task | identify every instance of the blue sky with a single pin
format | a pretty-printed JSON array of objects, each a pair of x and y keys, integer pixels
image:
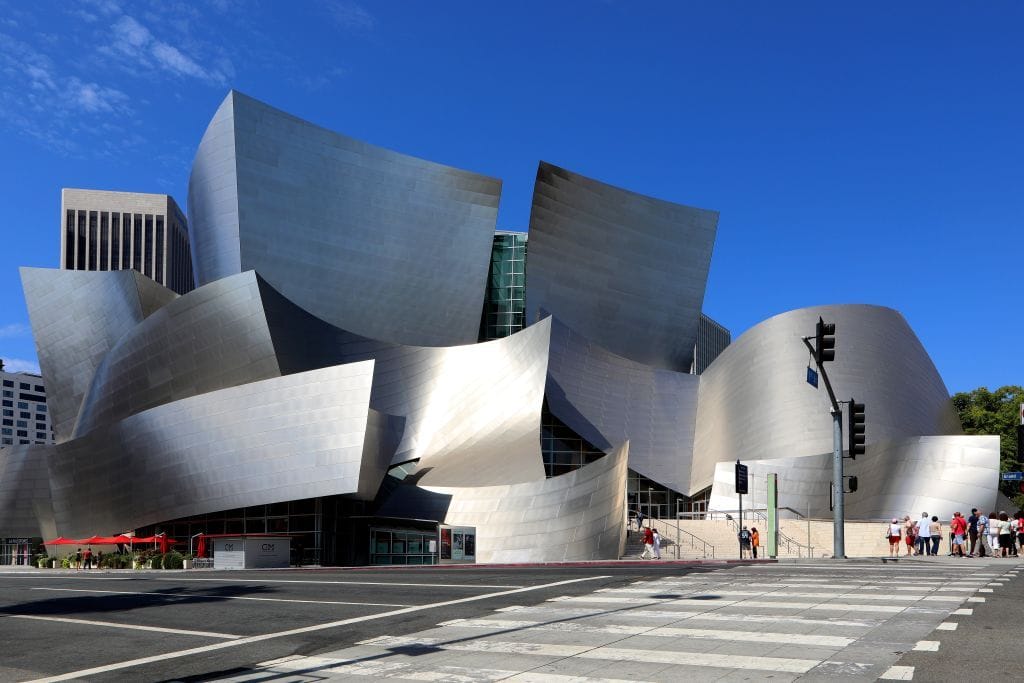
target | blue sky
[{"x": 857, "y": 152}]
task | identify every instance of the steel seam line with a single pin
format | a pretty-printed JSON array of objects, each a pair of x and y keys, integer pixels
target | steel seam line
[{"x": 297, "y": 631}]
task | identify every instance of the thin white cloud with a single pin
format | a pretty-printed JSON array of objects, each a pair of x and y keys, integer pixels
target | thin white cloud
[
  {"x": 351, "y": 15},
  {"x": 136, "y": 44},
  {"x": 14, "y": 330},
  {"x": 20, "y": 365}
]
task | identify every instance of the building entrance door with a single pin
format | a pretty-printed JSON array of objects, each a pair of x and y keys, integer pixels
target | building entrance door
[{"x": 15, "y": 553}]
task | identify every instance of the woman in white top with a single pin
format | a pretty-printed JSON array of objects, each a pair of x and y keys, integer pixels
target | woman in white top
[{"x": 894, "y": 537}]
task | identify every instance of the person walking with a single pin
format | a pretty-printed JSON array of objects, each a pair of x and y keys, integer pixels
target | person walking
[
  {"x": 924, "y": 535},
  {"x": 1005, "y": 534},
  {"x": 1020, "y": 528},
  {"x": 657, "y": 544},
  {"x": 893, "y": 534},
  {"x": 972, "y": 532},
  {"x": 908, "y": 533},
  {"x": 639, "y": 520},
  {"x": 993, "y": 532},
  {"x": 88, "y": 558},
  {"x": 983, "y": 544},
  {"x": 958, "y": 525},
  {"x": 755, "y": 540},
  {"x": 935, "y": 529},
  {"x": 744, "y": 542},
  {"x": 648, "y": 552},
  {"x": 78, "y": 559}
]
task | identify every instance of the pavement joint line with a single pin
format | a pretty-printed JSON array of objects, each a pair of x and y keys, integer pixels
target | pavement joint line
[
  {"x": 198, "y": 596},
  {"x": 163, "y": 657},
  {"x": 133, "y": 627},
  {"x": 946, "y": 626},
  {"x": 927, "y": 646},
  {"x": 898, "y": 673}
]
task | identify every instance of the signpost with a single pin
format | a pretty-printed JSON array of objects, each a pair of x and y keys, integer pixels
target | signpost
[
  {"x": 741, "y": 488},
  {"x": 1013, "y": 476},
  {"x": 812, "y": 377},
  {"x": 772, "y": 550}
]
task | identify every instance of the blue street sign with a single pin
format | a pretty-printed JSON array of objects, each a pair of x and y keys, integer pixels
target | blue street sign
[
  {"x": 812, "y": 377},
  {"x": 1013, "y": 476}
]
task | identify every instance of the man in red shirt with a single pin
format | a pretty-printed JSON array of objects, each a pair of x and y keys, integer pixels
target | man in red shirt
[
  {"x": 648, "y": 552},
  {"x": 958, "y": 525}
]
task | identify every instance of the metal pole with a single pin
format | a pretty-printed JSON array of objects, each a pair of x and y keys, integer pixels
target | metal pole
[
  {"x": 739, "y": 527},
  {"x": 838, "y": 487},
  {"x": 808, "y": 526}
]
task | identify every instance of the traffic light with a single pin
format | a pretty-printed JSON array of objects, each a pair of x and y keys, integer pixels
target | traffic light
[
  {"x": 853, "y": 484},
  {"x": 856, "y": 441},
  {"x": 824, "y": 342}
]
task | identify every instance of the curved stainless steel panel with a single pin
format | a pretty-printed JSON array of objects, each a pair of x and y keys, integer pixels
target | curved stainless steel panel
[
  {"x": 626, "y": 271},
  {"x": 609, "y": 399},
  {"x": 25, "y": 505},
  {"x": 212, "y": 338},
  {"x": 754, "y": 401},
  {"x": 281, "y": 439},
  {"x": 213, "y": 200},
  {"x": 938, "y": 474},
  {"x": 77, "y": 317},
  {"x": 333, "y": 223},
  {"x": 572, "y": 517}
]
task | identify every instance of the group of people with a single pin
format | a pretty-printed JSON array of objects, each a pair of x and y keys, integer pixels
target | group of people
[
  {"x": 977, "y": 535},
  {"x": 85, "y": 559},
  {"x": 651, "y": 538}
]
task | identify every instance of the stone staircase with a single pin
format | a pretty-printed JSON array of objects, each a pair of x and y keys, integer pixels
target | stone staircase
[{"x": 863, "y": 539}]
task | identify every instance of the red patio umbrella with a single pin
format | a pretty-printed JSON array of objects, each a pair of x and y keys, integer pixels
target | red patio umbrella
[
  {"x": 102, "y": 540},
  {"x": 60, "y": 540},
  {"x": 201, "y": 550}
]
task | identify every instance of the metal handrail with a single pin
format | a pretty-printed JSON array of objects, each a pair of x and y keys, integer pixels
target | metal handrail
[{"x": 758, "y": 516}]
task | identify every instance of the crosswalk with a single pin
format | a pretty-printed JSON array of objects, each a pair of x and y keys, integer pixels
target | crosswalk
[{"x": 744, "y": 623}]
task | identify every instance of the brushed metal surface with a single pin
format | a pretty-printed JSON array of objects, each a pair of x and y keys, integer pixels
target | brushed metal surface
[
  {"x": 25, "y": 505},
  {"x": 77, "y": 317},
  {"x": 897, "y": 477},
  {"x": 386, "y": 245},
  {"x": 287, "y": 438},
  {"x": 626, "y": 271},
  {"x": 572, "y": 517},
  {"x": 755, "y": 404},
  {"x": 608, "y": 399}
]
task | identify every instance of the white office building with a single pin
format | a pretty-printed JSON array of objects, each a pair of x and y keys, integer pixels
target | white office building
[{"x": 26, "y": 419}]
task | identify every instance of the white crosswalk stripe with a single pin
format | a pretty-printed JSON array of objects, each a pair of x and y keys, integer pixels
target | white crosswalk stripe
[{"x": 705, "y": 626}]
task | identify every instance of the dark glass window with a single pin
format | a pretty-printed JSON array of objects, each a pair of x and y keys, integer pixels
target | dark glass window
[
  {"x": 159, "y": 249},
  {"x": 8, "y": 383},
  {"x": 137, "y": 242},
  {"x": 147, "y": 264},
  {"x": 80, "y": 251},
  {"x": 22, "y": 432},
  {"x": 8, "y": 394},
  {"x": 24, "y": 385},
  {"x": 39, "y": 388},
  {"x": 25, "y": 415},
  {"x": 8, "y": 412},
  {"x": 41, "y": 425},
  {"x": 104, "y": 240},
  {"x": 7, "y": 441},
  {"x": 8, "y": 422},
  {"x": 38, "y": 398},
  {"x": 8, "y": 404},
  {"x": 126, "y": 240},
  {"x": 40, "y": 409},
  {"x": 22, "y": 405},
  {"x": 93, "y": 241},
  {"x": 69, "y": 240},
  {"x": 115, "y": 241},
  {"x": 22, "y": 423},
  {"x": 40, "y": 435}
]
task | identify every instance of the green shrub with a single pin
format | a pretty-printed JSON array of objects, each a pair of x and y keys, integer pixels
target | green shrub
[
  {"x": 65, "y": 562},
  {"x": 42, "y": 561},
  {"x": 115, "y": 561},
  {"x": 173, "y": 560}
]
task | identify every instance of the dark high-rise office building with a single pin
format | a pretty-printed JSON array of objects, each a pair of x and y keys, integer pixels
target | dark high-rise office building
[{"x": 105, "y": 230}]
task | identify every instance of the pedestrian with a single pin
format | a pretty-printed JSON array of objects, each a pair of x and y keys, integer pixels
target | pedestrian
[
  {"x": 78, "y": 559},
  {"x": 959, "y": 527},
  {"x": 908, "y": 533},
  {"x": 639, "y": 520},
  {"x": 893, "y": 534},
  {"x": 1005, "y": 534},
  {"x": 935, "y": 529},
  {"x": 755, "y": 540},
  {"x": 648, "y": 552},
  {"x": 983, "y": 536},
  {"x": 744, "y": 542},
  {"x": 972, "y": 531},
  {"x": 924, "y": 535},
  {"x": 993, "y": 532},
  {"x": 99, "y": 560},
  {"x": 1019, "y": 524},
  {"x": 657, "y": 544},
  {"x": 88, "y": 558}
]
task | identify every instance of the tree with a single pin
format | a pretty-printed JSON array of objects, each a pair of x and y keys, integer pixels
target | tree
[{"x": 994, "y": 412}]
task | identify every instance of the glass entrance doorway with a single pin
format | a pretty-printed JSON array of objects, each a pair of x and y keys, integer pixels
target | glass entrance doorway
[{"x": 15, "y": 551}]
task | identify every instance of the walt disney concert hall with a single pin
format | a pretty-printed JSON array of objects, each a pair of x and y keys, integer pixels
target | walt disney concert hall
[{"x": 365, "y": 356}]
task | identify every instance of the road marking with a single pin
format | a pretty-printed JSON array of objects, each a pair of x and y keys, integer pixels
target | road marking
[
  {"x": 975, "y": 599},
  {"x": 199, "y": 596},
  {"x": 836, "y": 606},
  {"x": 666, "y": 631},
  {"x": 656, "y": 594},
  {"x": 348, "y": 583},
  {"x": 985, "y": 590},
  {"x": 965, "y": 612},
  {"x": 927, "y": 646},
  {"x": 898, "y": 673},
  {"x": 110, "y": 624},
  {"x": 547, "y": 609},
  {"x": 298, "y": 631},
  {"x": 947, "y": 626},
  {"x": 783, "y": 664}
]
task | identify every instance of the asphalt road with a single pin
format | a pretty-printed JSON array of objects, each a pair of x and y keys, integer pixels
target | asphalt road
[
  {"x": 203, "y": 625},
  {"x": 807, "y": 621}
]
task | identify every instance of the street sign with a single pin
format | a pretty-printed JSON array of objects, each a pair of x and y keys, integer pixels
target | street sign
[
  {"x": 812, "y": 379},
  {"x": 741, "y": 478},
  {"x": 1013, "y": 476}
]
